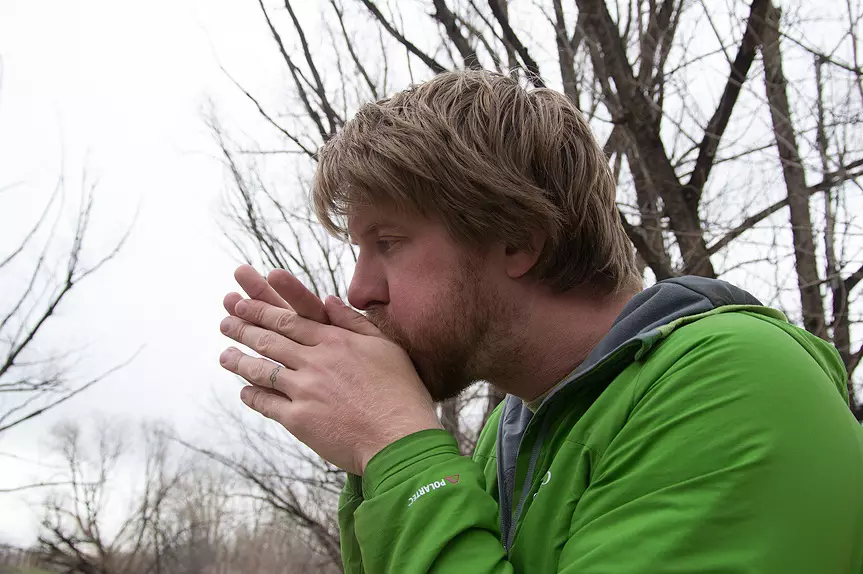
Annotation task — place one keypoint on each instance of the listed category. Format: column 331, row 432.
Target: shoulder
column 745, row 344
column 743, row 374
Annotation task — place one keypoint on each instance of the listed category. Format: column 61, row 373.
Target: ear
column 519, row 262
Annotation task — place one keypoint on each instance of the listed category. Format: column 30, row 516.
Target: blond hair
column 492, row 161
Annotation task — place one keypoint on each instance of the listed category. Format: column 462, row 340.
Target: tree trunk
column 808, row 282
column 639, row 119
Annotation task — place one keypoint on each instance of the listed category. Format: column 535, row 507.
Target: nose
column 368, row 285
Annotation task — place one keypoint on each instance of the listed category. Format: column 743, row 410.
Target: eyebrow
column 375, row 227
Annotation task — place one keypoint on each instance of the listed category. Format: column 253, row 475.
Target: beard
column 455, row 339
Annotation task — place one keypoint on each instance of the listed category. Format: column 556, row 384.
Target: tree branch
column 69, row 395
column 350, row 45
column 830, row 180
column 854, row 279
column 313, row 115
column 35, row 485
column 511, row 37
column 35, row 227
column 639, row 118
column 333, row 119
column 657, row 263
column 433, row 64
column 482, row 40
column 806, row 266
column 447, row 19
column 566, row 53
column 752, row 38
column 841, row 175
column 269, row 118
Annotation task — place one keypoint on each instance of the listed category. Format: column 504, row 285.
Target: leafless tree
column 33, row 381
column 293, row 483
column 79, row 533
column 186, row 514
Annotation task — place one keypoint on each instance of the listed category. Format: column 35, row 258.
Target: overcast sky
column 120, row 87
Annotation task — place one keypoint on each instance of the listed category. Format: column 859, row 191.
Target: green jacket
column 703, row 434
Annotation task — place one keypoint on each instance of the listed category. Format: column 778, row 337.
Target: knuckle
column 299, row 415
column 253, row 398
column 302, row 388
column 334, row 338
column 266, row 341
column 258, row 371
column 256, row 312
column 241, row 331
column 259, row 402
column 286, row 322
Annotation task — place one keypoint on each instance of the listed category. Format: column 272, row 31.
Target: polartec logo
column 433, row 486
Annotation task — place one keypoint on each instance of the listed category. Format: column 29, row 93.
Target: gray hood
column 659, row 305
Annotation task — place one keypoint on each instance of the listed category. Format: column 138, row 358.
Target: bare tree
column 213, row 523
column 294, row 484
column 32, row 381
column 835, row 270
column 711, row 141
column 77, row 530
column 186, row 514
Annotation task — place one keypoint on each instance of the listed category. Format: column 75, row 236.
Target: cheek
column 420, row 286
column 410, row 302
column 419, row 298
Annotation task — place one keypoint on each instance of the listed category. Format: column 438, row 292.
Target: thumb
column 343, row 316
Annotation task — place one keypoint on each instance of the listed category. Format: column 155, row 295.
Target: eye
column 385, row 245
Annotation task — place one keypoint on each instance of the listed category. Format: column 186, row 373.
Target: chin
column 442, row 380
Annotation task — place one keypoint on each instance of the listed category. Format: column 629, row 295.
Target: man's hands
column 342, row 388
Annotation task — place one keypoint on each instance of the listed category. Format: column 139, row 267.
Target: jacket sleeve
column 738, row 456
column 423, row 508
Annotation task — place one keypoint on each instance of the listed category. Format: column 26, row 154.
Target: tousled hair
column 492, row 161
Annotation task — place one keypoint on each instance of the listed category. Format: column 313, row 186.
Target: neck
column 552, row 335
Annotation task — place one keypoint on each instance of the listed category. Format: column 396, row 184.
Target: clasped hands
column 328, row 375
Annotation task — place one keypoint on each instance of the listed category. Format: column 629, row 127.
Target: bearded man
column 681, row 428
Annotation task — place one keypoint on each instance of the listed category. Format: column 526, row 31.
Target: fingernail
column 241, row 307
column 335, row 301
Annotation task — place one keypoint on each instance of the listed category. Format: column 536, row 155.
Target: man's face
column 429, row 295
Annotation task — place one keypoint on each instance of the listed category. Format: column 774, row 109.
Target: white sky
column 120, row 86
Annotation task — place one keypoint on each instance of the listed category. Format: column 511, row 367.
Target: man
column 684, row 428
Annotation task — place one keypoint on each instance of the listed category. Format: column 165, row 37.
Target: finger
column 343, row 316
column 230, row 301
column 282, row 321
column 260, row 372
column 256, row 287
column 301, row 300
column 264, row 342
column 266, row 402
